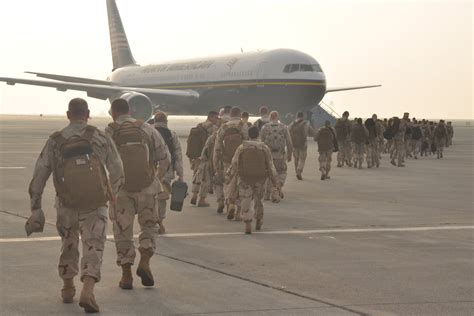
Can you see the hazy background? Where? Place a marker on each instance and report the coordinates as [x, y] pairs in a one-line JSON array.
[[420, 51]]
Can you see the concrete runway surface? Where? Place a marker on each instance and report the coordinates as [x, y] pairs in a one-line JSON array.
[[367, 242]]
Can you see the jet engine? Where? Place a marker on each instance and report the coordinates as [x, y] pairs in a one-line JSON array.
[[141, 106]]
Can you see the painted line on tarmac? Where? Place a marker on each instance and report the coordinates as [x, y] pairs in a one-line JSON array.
[[282, 232], [13, 168]]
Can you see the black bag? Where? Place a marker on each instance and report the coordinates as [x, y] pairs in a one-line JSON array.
[[179, 191]]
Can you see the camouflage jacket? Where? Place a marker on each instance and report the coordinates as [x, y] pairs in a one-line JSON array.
[[276, 130]]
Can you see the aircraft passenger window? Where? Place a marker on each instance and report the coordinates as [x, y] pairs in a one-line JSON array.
[[287, 68]]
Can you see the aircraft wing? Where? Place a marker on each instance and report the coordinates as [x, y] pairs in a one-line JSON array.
[[351, 88], [69, 78], [102, 91]]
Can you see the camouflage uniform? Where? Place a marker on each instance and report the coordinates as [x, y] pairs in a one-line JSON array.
[[261, 121], [398, 153], [326, 145], [270, 133], [380, 128], [372, 154], [450, 129], [196, 165], [300, 154], [175, 169], [247, 191], [343, 133], [426, 140], [440, 138], [90, 225], [205, 176], [144, 204], [218, 155], [359, 144]]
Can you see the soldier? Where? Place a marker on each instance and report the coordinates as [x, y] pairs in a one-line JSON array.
[[380, 140], [245, 118], [77, 156], [252, 164], [277, 137], [229, 136], [327, 143], [440, 138], [373, 139], [359, 138], [196, 140], [142, 149], [300, 129], [416, 138], [426, 139], [343, 134], [264, 117], [450, 129], [398, 129], [176, 168]]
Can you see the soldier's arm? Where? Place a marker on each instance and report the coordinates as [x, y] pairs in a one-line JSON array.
[[270, 166], [114, 165], [217, 154], [234, 165], [162, 156], [289, 142], [43, 169], [178, 153]]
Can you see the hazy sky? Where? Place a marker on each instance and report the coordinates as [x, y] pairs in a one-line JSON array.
[[420, 51]]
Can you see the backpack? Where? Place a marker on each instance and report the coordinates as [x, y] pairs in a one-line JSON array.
[[232, 140], [392, 128], [370, 125], [252, 165], [168, 138], [298, 134], [136, 150], [276, 139], [440, 132], [196, 141], [358, 134], [326, 139], [79, 176], [416, 133], [341, 129]]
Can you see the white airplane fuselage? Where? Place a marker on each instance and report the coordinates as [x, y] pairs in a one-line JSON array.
[[283, 79]]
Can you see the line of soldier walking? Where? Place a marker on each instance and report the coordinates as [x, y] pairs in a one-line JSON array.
[[131, 165]]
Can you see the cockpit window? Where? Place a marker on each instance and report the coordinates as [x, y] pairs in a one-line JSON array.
[[289, 68]]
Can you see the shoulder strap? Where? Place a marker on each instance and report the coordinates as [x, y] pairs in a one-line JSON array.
[[89, 132], [58, 138], [114, 125], [138, 123]]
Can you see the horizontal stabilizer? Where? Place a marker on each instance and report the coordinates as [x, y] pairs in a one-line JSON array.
[[69, 78], [351, 88]]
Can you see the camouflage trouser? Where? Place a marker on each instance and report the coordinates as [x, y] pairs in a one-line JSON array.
[[359, 150], [416, 147], [195, 164], [450, 140], [281, 171], [249, 193], [299, 156], [380, 146], [325, 158], [230, 196], [145, 205], [202, 180], [162, 198], [344, 153], [373, 154], [408, 147], [92, 227], [440, 144], [398, 150]]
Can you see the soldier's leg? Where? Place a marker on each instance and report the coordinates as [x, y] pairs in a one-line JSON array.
[[328, 163], [258, 204], [340, 154], [93, 227], [246, 195], [67, 224], [322, 164], [196, 187], [122, 222], [302, 159], [204, 190], [348, 153], [296, 157], [281, 169]]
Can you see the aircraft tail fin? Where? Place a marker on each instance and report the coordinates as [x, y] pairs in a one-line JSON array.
[[121, 52]]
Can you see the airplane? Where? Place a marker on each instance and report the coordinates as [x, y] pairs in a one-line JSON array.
[[286, 80]]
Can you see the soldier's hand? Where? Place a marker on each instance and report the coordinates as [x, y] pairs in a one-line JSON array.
[[35, 223]]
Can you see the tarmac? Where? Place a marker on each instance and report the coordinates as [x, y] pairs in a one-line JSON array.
[[386, 241]]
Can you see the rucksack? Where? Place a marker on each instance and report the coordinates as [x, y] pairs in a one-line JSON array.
[[341, 129], [79, 175], [416, 133], [275, 139], [370, 125], [168, 138], [136, 150], [196, 141], [298, 134], [232, 140], [326, 139], [392, 128], [259, 123], [252, 165], [358, 134]]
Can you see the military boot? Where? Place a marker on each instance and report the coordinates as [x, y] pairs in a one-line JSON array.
[[87, 300], [393, 162], [126, 283], [441, 155], [258, 224], [68, 291], [248, 227], [231, 212], [203, 203], [162, 229], [220, 208], [194, 199], [143, 269], [400, 165]]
